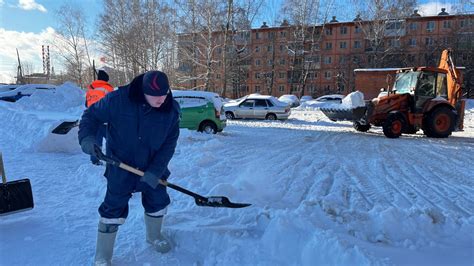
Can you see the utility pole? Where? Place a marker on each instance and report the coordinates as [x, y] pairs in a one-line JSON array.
[[19, 72]]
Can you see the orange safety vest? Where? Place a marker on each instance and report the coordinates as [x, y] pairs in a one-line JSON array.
[[96, 91]]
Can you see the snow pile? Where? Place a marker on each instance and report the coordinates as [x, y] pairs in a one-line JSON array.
[[353, 100], [63, 98], [31, 119], [188, 99]]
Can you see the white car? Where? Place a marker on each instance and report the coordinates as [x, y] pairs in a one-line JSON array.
[[292, 100], [306, 98], [257, 106], [24, 90], [335, 98]]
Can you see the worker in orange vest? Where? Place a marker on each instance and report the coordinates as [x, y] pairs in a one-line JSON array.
[[96, 91]]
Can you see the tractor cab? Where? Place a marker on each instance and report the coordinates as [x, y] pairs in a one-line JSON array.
[[423, 84]]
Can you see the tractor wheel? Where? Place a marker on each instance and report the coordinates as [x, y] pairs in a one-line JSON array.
[[362, 128], [439, 123], [393, 126]]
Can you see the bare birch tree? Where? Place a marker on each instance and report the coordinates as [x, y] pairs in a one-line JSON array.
[[72, 43], [305, 38]]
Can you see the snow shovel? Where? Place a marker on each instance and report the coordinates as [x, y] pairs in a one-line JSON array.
[[213, 201], [15, 196], [65, 127]]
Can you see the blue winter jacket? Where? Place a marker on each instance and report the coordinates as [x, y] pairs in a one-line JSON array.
[[137, 134]]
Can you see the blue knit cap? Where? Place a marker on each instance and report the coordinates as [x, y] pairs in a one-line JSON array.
[[155, 83]]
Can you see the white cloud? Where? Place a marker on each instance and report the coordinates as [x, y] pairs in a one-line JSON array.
[[1, 3], [29, 48], [30, 5], [433, 8]]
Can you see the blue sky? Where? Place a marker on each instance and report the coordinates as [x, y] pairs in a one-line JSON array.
[[36, 15], [27, 24]]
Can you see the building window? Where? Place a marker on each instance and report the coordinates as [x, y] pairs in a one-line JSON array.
[[327, 74], [257, 75], [342, 59], [281, 88], [413, 26], [281, 75], [328, 31], [344, 30], [358, 29], [357, 44], [343, 45], [327, 60], [311, 75], [328, 45], [463, 23], [412, 42], [282, 47], [429, 41], [282, 34], [257, 35], [430, 26], [257, 62], [257, 88], [446, 24], [394, 43], [271, 35], [311, 88], [257, 49], [270, 62], [282, 61], [270, 48]]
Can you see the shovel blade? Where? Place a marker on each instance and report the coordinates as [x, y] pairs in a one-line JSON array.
[[65, 127], [16, 196], [219, 202]]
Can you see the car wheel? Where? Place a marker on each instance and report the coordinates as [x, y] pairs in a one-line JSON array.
[[208, 127], [271, 117], [229, 115]]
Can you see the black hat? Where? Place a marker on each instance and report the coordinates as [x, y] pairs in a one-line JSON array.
[[155, 83], [102, 75]]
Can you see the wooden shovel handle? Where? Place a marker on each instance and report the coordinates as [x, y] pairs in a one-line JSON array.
[[138, 172], [2, 170]]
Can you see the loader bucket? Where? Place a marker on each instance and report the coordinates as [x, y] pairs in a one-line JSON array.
[[335, 114]]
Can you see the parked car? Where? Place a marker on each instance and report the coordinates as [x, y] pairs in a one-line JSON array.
[[8, 87], [336, 98], [24, 90], [306, 98], [200, 110], [257, 106], [292, 100]]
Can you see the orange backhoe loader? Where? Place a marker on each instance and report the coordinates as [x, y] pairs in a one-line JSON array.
[[427, 98]]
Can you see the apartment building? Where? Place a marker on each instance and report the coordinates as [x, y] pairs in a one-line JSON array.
[[317, 60]]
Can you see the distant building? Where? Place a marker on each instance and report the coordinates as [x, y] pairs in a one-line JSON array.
[[283, 60]]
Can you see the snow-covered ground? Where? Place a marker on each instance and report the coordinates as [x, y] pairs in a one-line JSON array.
[[321, 194]]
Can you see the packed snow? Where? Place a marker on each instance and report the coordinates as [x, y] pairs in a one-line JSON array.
[[321, 193]]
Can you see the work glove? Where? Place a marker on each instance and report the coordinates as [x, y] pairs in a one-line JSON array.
[[87, 145], [151, 179]]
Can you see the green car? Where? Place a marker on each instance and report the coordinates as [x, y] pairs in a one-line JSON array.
[[201, 110]]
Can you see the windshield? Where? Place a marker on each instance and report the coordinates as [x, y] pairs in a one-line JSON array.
[[406, 82]]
